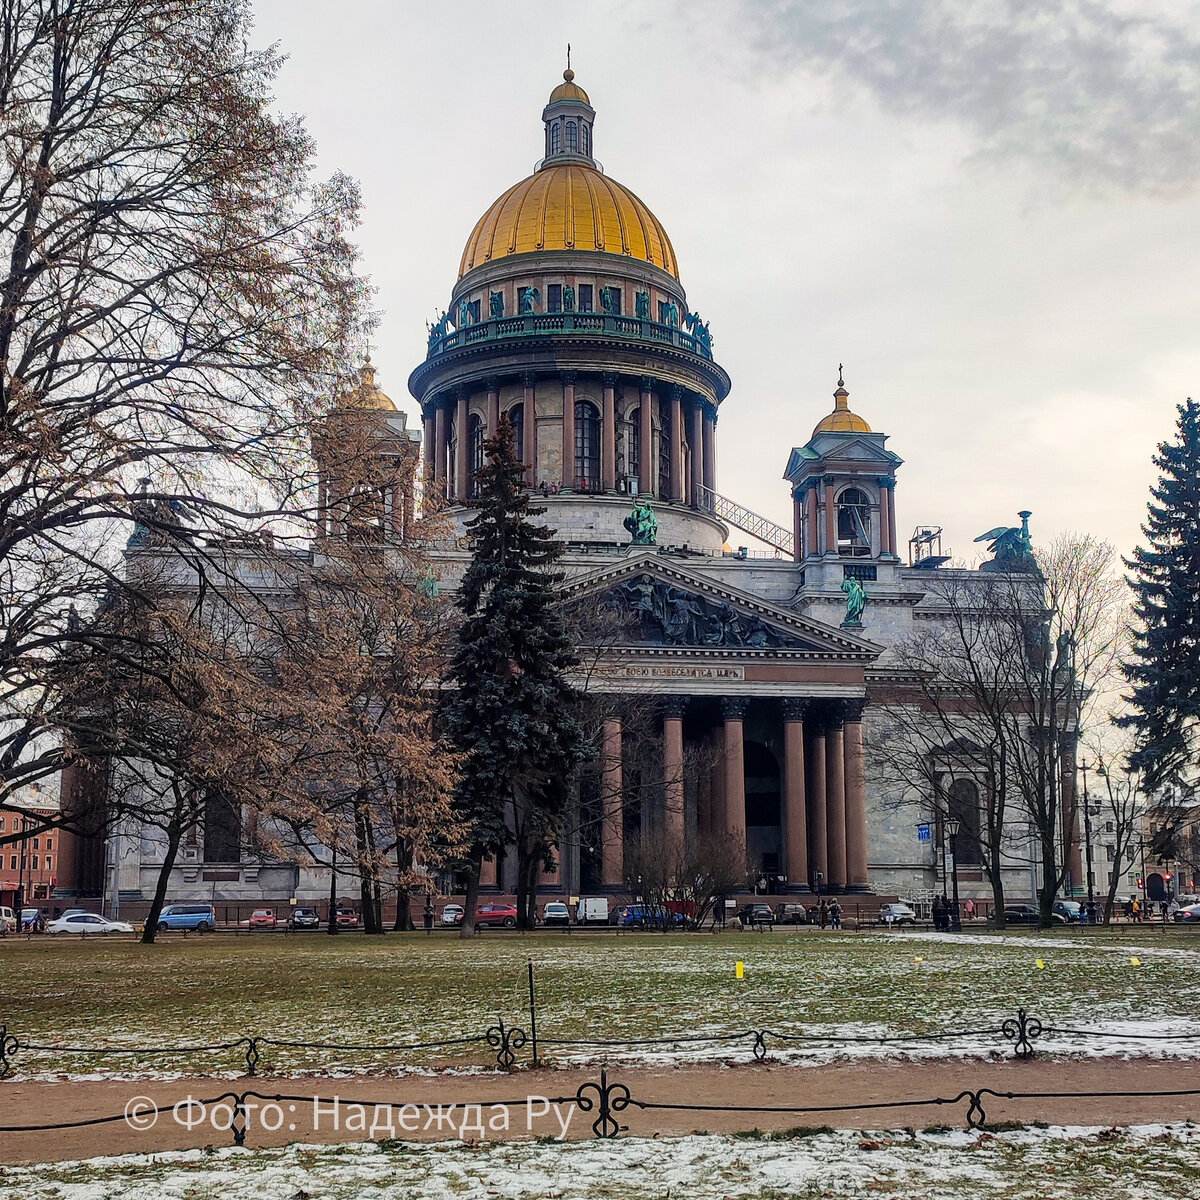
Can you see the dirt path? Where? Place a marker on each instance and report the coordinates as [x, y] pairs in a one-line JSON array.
[[803, 1090]]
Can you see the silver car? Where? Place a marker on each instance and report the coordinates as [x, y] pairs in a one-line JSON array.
[[85, 924]]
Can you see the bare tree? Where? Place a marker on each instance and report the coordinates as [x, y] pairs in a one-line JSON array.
[[177, 302]]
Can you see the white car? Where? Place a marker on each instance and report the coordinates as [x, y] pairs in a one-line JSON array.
[[85, 923], [897, 914], [452, 914]]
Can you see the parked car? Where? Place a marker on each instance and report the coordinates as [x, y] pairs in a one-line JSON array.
[[592, 910], [263, 918], [453, 914], [897, 914], [1070, 910], [347, 918], [756, 914], [646, 916], [791, 914], [304, 918], [8, 921], [556, 913], [1188, 915], [200, 917], [85, 924], [1026, 914], [496, 914], [32, 921]]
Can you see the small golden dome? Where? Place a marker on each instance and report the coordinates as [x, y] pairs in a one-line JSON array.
[[568, 207], [367, 395], [569, 90], [841, 420]]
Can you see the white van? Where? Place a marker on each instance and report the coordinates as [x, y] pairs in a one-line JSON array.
[[8, 921], [592, 910]]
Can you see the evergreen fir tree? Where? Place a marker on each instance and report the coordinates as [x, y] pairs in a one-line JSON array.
[[1164, 664], [513, 713]]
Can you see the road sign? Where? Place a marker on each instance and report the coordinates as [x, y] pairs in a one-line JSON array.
[[924, 833]]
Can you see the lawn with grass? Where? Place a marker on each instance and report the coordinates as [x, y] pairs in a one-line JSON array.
[[411, 988], [1032, 1164]]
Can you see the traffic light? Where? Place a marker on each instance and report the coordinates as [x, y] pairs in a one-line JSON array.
[[1139, 880]]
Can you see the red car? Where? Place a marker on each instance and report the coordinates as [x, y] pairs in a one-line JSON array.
[[262, 918], [347, 918], [496, 914]]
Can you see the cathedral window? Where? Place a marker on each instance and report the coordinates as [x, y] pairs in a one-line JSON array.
[[634, 424], [962, 804], [554, 297], [555, 138], [854, 523], [664, 452], [587, 446], [477, 438], [585, 297], [516, 418], [572, 137], [585, 132]]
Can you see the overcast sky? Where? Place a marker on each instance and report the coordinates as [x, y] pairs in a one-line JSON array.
[[988, 212]]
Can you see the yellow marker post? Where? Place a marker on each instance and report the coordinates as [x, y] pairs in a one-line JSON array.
[[740, 970], [1041, 966]]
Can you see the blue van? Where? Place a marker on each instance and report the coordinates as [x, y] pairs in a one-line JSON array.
[[201, 917]]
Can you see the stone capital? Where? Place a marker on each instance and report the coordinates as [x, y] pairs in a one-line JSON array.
[[569, 378], [611, 379], [795, 708], [647, 384], [673, 707], [529, 378], [492, 383], [733, 708]]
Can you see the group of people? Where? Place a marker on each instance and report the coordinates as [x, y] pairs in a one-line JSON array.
[[945, 913], [829, 914]]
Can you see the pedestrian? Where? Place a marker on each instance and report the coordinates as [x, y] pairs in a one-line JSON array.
[[823, 913], [1137, 909], [428, 913], [937, 914], [970, 909], [835, 915]]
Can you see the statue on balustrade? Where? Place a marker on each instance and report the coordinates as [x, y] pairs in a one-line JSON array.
[[496, 305], [642, 302], [1011, 548], [856, 602], [699, 330], [608, 301], [568, 298], [529, 298], [464, 314], [642, 524], [439, 329]]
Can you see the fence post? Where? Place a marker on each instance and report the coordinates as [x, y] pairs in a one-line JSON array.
[[532, 1015]]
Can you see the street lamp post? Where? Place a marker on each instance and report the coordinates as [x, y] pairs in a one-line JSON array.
[[952, 826], [1087, 839]]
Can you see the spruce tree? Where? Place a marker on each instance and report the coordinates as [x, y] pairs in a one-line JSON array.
[[1164, 664], [513, 712]]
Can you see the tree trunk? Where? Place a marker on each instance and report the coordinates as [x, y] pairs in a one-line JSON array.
[[1049, 888], [404, 921], [150, 928], [996, 877], [472, 896]]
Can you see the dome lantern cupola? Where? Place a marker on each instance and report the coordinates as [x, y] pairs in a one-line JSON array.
[[568, 117]]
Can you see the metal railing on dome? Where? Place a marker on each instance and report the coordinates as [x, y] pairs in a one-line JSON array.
[[542, 324]]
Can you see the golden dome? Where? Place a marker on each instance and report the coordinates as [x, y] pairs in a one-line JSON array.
[[567, 90], [367, 395], [568, 207], [841, 420]]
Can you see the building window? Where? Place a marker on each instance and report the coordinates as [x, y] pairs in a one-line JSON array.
[[49, 864], [587, 446], [35, 862], [1108, 827], [554, 297], [1110, 853], [555, 137], [473, 312], [1, 824], [635, 442], [585, 133], [962, 802], [610, 301], [854, 523], [49, 843], [664, 451], [37, 843], [12, 863], [585, 297], [572, 137], [475, 425], [222, 828], [516, 418]]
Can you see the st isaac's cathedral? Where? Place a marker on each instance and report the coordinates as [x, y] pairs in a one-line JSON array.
[[757, 671], [569, 318]]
